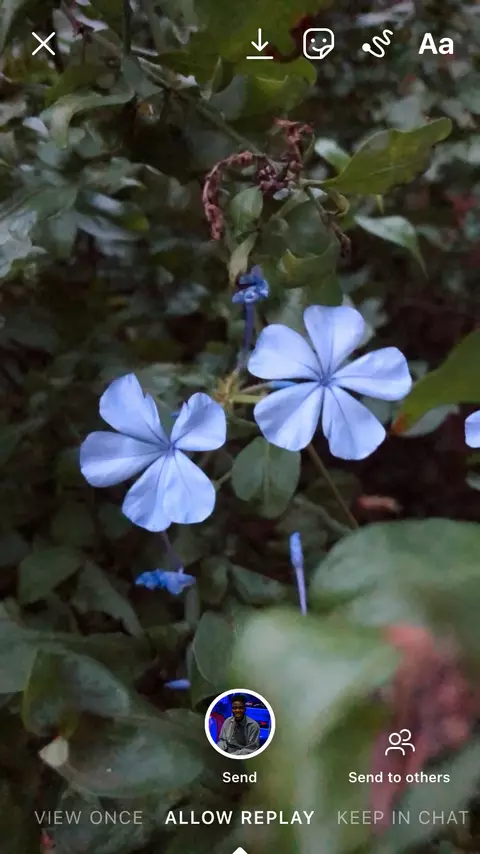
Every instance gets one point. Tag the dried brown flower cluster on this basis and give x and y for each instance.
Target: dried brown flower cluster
(270, 176)
(213, 186)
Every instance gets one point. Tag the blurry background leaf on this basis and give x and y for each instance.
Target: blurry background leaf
(43, 569)
(455, 381)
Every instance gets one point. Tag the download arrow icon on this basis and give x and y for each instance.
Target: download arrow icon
(259, 45)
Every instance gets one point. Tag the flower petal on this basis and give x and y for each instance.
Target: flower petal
(152, 579)
(174, 582)
(201, 425)
(177, 582)
(472, 430)
(352, 431)
(289, 418)
(189, 494)
(144, 501)
(334, 332)
(127, 409)
(109, 458)
(282, 354)
(383, 374)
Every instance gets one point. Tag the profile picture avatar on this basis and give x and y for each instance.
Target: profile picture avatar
(240, 724)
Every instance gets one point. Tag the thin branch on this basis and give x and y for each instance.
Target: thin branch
(58, 58)
(335, 527)
(338, 497)
(171, 552)
(127, 26)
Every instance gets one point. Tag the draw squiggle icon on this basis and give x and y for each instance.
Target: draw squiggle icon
(378, 42)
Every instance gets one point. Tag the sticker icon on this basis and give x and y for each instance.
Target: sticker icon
(318, 42)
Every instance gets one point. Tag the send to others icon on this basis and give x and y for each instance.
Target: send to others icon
(318, 42)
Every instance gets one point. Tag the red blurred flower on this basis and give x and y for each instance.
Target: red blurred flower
(431, 698)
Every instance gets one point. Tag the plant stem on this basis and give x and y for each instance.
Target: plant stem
(153, 23)
(250, 389)
(337, 528)
(171, 552)
(200, 106)
(204, 460)
(223, 479)
(248, 335)
(325, 474)
(321, 212)
(247, 398)
(127, 26)
(212, 116)
(311, 182)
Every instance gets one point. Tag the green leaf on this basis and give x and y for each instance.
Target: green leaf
(239, 259)
(314, 272)
(332, 153)
(275, 88)
(82, 685)
(60, 115)
(115, 524)
(8, 10)
(396, 229)
(266, 475)
(72, 525)
(13, 548)
(233, 26)
(131, 757)
(213, 579)
(10, 436)
(211, 644)
(308, 232)
(436, 798)
(47, 705)
(43, 569)
(246, 209)
(17, 833)
(95, 592)
(389, 158)
(33, 328)
(455, 381)
(301, 272)
(19, 644)
(256, 589)
(199, 58)
(422, 572)
(319, 677)
(74, 77)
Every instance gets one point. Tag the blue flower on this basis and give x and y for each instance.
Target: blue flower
(172, 488)
(472, 430)
(174, 582)
(178, 684)
(252, 287)
(289, 418)
(296, 558)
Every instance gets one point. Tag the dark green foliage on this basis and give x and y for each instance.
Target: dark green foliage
(107, 266)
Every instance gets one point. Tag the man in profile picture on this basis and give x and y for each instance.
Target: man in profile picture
(239, 735)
